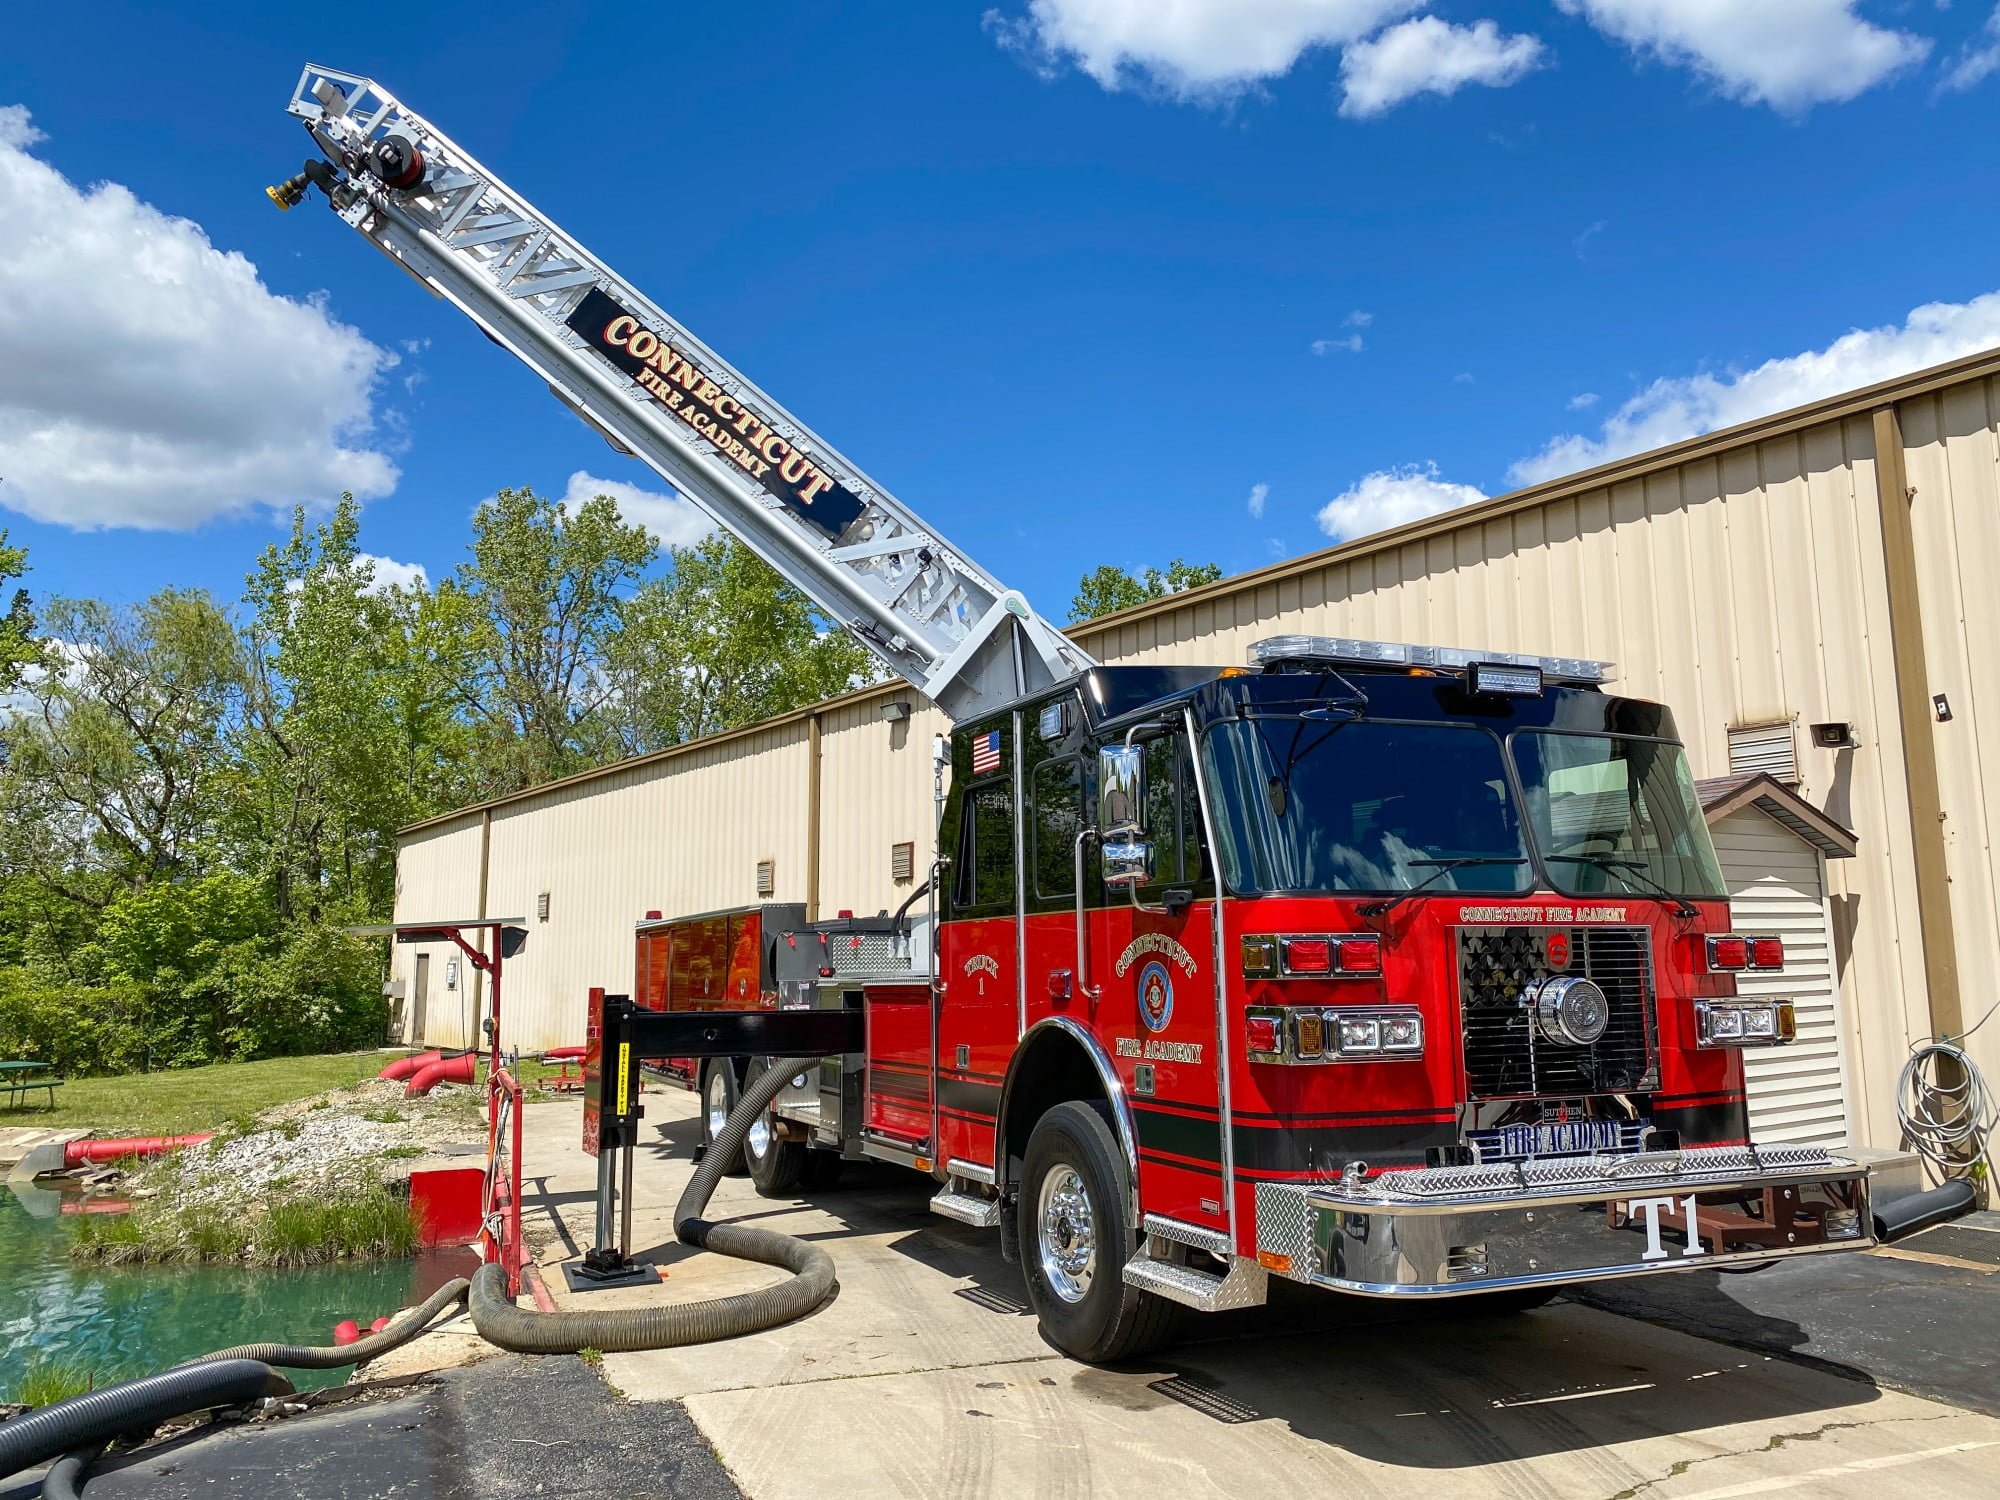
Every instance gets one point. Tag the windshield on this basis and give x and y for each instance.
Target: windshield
(1321, 804)
(1615, 815)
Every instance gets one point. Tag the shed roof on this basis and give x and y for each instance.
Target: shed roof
(1723, 795)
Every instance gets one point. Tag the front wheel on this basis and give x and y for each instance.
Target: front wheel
(1075, 1234)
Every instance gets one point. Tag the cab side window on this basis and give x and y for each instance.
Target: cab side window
(1058, 792)
(1173, 813)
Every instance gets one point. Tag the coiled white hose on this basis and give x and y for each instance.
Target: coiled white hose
(1949, 1124)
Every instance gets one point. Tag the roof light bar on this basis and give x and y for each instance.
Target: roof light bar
(1346, 651)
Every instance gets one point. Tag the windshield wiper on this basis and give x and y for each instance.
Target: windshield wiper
(1439, 869)
(1633, 871)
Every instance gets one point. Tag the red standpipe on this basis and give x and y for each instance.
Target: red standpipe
(458, 1069)
(97, 1153)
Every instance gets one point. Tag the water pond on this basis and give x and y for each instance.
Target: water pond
(117, 1322)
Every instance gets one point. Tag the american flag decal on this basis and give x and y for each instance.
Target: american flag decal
(986, 752)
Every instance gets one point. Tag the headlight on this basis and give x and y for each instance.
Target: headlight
(1744, 1023)
(1360, 1034)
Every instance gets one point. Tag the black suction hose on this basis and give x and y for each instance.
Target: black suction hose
(135, 1406)
(64, 1481)
(500, 1322)
(309, 1357)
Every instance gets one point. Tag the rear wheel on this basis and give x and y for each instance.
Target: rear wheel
(775, 1164)
(718, 1100)
(1075, 1235)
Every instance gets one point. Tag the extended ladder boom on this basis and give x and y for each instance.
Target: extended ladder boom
(655, 391)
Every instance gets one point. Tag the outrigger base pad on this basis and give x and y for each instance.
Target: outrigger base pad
(582, 1278)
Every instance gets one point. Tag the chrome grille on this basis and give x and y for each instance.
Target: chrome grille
(1505, 1055)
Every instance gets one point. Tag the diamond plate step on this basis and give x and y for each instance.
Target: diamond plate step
(967, 1208)
(1204, 1291)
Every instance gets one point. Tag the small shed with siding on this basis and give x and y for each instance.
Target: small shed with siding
(1774, 845)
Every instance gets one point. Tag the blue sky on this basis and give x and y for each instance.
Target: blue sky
(1077, 279)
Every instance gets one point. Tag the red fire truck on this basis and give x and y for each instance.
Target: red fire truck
(1392, 969)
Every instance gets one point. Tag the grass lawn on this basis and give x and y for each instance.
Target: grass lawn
(187, 1101)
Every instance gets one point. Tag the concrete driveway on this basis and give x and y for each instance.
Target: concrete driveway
(922, 1377)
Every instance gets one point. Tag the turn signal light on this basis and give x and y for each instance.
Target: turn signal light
(1727, 955)
(1312, 955)
(1361, 955)
(1767, 953)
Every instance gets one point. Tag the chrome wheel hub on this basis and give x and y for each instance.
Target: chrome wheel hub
(718, 1105)
(1066, 1234)
(759, 1139)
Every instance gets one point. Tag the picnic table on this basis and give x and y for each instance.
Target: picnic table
(19, 1079)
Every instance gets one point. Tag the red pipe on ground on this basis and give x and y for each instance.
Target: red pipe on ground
(97, 1153)
(403, 1067)
(458, 1069)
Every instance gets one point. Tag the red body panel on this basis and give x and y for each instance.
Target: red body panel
(899, 1063)
(701, 963)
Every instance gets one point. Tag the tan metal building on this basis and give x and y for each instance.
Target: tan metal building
(1814, 593)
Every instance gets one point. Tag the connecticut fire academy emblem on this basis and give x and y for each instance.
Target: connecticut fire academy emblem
(1156, 997)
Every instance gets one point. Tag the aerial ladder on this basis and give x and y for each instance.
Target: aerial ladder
(657, 393)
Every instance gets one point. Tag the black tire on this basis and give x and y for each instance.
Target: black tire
(823, 1169)
(719, 1093)
(1091, 1315)
(775, 1165)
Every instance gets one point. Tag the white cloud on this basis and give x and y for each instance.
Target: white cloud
(1977, 60)
(1789, 54)
(1191, 48)
(1357, 319)
(1352, 344)
(1688, 405)
(1463, 377)
(1259, 493)
(390, 574)
(1584, 401)
(1393, 497)
(152, 380)
(1430, 56)
(673, 520)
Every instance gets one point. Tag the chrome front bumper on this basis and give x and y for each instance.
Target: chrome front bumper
(1450, 1231)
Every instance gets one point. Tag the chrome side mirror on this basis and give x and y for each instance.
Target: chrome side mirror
(1118, 771)
(1128, 862)
(1127, 856)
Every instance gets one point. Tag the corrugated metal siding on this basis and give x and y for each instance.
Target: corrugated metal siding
(1952, 445)
(437, 876)
(1742, 588)
(875, 792)
(1797, 1093)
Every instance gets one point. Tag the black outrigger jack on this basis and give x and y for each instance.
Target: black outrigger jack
(623, 1036)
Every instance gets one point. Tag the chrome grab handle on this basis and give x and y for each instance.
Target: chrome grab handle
(1083, 984)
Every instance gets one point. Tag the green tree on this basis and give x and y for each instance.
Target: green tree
(1108, 589)
(720, 642)
(350, 730)
(18, 650)
(546, 592)
(116, 764)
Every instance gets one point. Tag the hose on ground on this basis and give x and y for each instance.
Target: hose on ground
(136, 1406)
(500, 1322)
(311, 1357)
(64, 1481)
